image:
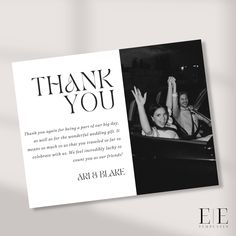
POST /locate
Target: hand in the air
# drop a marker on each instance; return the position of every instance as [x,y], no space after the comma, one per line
[140,100]
[171,80]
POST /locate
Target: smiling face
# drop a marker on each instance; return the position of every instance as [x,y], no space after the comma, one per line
[183,100]
[160,117]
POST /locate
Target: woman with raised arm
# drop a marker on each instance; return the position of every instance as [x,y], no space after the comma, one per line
[159,116]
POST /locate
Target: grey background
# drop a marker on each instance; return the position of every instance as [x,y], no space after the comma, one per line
[47,28]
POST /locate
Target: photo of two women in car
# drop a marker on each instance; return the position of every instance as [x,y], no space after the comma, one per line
[169,117]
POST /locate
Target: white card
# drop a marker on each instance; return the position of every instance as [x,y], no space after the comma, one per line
[77,122]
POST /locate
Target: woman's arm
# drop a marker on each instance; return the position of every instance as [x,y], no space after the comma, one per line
[140,100]
[169,94]
[176,109]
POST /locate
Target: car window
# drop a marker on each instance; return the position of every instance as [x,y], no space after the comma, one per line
[204,108]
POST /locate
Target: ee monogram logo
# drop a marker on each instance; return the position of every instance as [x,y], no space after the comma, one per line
[213,218]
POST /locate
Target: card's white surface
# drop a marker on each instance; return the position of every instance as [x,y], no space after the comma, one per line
[61,168]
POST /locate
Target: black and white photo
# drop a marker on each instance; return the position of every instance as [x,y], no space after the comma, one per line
[169,117]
